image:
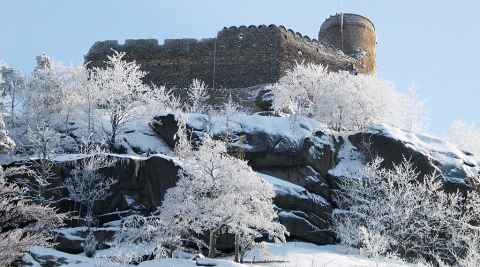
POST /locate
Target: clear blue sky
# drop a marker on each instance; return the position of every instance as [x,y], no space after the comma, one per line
[433,44]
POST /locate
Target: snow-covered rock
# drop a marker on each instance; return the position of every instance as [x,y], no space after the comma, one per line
[266,141]
[135,138]
[307,154]
[69,240]
[302,160]
[48,257]
[305,215]
[140,139]
[304,176]
[141,184]
[294,197]
[275,146]
[427,153]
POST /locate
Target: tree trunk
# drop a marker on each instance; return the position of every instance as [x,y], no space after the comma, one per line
[89,118]
[113,137]
[12,112]
[237,247]
[89,216]
[67,118]
[212,244]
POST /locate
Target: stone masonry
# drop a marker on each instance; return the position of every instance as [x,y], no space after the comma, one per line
[238,57]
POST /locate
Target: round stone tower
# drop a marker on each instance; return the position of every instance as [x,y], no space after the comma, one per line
[354,35]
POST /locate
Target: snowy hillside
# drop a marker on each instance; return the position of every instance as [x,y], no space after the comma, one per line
[110,170]
[303,165]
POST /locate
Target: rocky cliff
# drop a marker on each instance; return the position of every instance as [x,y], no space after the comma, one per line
[303,160]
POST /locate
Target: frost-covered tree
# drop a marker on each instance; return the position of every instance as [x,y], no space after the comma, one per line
[57,96]
[156,237]
[42,140]
[414,111]
[197,96]
[6,143]
[396,212]
[38,134]
[466,136]
[56,88]
[3,66]
[470,257]
[217,193]
[467,252]
[43,95]
[51,95]
[183,141]
[88,186]
[23,224]
[73,81]
[342,100]
[119,87]
[12,83]
[90,101]
[44,62]
[228,111]
[159,99]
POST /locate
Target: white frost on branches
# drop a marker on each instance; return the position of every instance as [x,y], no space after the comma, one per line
[6,143]
[218,192]
[396,212]
[87,184]
[12,84]
[120,88]
[23,224]
[159,100]
[197,96]
[215,194]
[345,101]
[466,136]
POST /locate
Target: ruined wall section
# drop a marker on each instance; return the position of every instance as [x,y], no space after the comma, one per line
[239,57]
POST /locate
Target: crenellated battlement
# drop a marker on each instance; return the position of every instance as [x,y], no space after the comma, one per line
[141,42]
[239,56]
[272,28]
[154,44]
[187,43]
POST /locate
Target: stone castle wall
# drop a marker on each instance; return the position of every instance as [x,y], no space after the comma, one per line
[297,48]
[354,35]
[238,57]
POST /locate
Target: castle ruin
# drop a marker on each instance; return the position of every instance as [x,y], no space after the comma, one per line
[246,56]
